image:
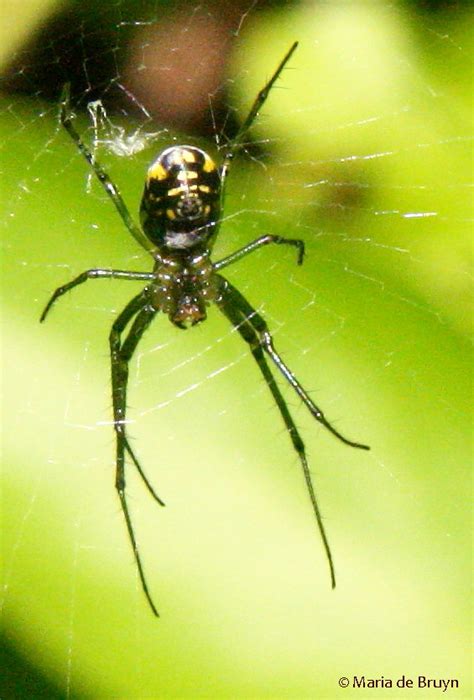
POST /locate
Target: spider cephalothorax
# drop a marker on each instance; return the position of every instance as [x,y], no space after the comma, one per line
[183,287]
[180,213]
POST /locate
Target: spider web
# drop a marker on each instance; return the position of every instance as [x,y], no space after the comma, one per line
[363,150]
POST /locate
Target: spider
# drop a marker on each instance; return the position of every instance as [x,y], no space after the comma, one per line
[180,214]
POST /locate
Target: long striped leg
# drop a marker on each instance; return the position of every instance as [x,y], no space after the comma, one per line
[121,354]
[234,298]
[258,243]
[110,188]
[254,331]
[94,274]
[238,141]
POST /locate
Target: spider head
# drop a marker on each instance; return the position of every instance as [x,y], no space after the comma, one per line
[181,202]
[188,312]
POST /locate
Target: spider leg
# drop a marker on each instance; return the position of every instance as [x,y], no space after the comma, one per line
[250,335]
[66,116]
[121,354]
[94,274]
[258,243]
[120,357]
[237,142]
[235,298]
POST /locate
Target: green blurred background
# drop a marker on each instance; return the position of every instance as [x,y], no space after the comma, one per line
[364,151]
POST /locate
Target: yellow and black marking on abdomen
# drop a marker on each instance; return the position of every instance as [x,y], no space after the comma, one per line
[181,201]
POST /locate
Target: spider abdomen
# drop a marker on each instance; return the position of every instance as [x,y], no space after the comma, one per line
[181,202]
